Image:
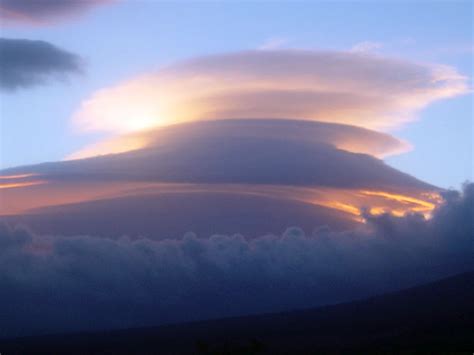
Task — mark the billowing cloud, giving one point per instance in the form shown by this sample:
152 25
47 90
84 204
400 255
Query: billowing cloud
25 63
341 87
43 11
57 283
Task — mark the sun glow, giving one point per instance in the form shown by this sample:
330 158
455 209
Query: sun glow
18 176
413 204
20 184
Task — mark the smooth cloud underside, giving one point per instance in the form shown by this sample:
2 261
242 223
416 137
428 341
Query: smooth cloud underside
25 63
316 170
241 160
40 12
53 283
349 138
340 87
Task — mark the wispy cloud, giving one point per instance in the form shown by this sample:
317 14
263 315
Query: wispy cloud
273 43
366 46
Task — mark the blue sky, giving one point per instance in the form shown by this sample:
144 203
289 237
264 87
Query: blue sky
121 40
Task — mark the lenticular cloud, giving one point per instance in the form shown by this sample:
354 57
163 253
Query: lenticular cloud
238 147
224 176
213 144
340 87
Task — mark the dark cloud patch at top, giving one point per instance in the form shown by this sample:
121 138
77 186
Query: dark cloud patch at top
25 63
40 11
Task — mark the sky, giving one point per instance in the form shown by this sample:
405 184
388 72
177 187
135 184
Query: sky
175 161
115 47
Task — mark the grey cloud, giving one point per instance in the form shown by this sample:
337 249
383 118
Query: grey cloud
43 11
346 137
55 283
25 63
249 151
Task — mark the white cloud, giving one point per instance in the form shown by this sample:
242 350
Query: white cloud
366 46
273 43
341 87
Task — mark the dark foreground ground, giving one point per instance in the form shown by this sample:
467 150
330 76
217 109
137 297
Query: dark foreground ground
433 318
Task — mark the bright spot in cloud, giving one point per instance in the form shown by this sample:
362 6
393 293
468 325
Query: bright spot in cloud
342 87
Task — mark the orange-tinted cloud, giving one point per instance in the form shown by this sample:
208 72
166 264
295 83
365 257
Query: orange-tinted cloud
19 180
349 138
340 87
234 164
170 210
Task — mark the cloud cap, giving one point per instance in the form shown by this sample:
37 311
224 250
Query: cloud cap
341 87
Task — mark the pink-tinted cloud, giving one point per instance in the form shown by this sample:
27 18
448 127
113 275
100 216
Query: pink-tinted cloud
316 170
149 281
41 12
345 137
341 87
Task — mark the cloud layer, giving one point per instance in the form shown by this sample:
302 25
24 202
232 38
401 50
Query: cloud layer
55 283
25 63
308 166
43 11
345 137
340 87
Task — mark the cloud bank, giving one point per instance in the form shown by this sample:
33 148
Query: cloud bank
319 165
55 283
353 88
25 63
42 12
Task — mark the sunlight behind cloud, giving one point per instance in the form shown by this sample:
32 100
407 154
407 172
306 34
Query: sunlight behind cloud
342 87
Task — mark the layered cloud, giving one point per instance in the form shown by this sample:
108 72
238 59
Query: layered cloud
348 138
339 87
319 171
56 283
219 145
43 11
25 63
226 130
291 153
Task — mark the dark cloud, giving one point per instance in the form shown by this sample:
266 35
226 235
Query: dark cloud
43 11
171 214
25 63
295 153
56 283
346 137
230 170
